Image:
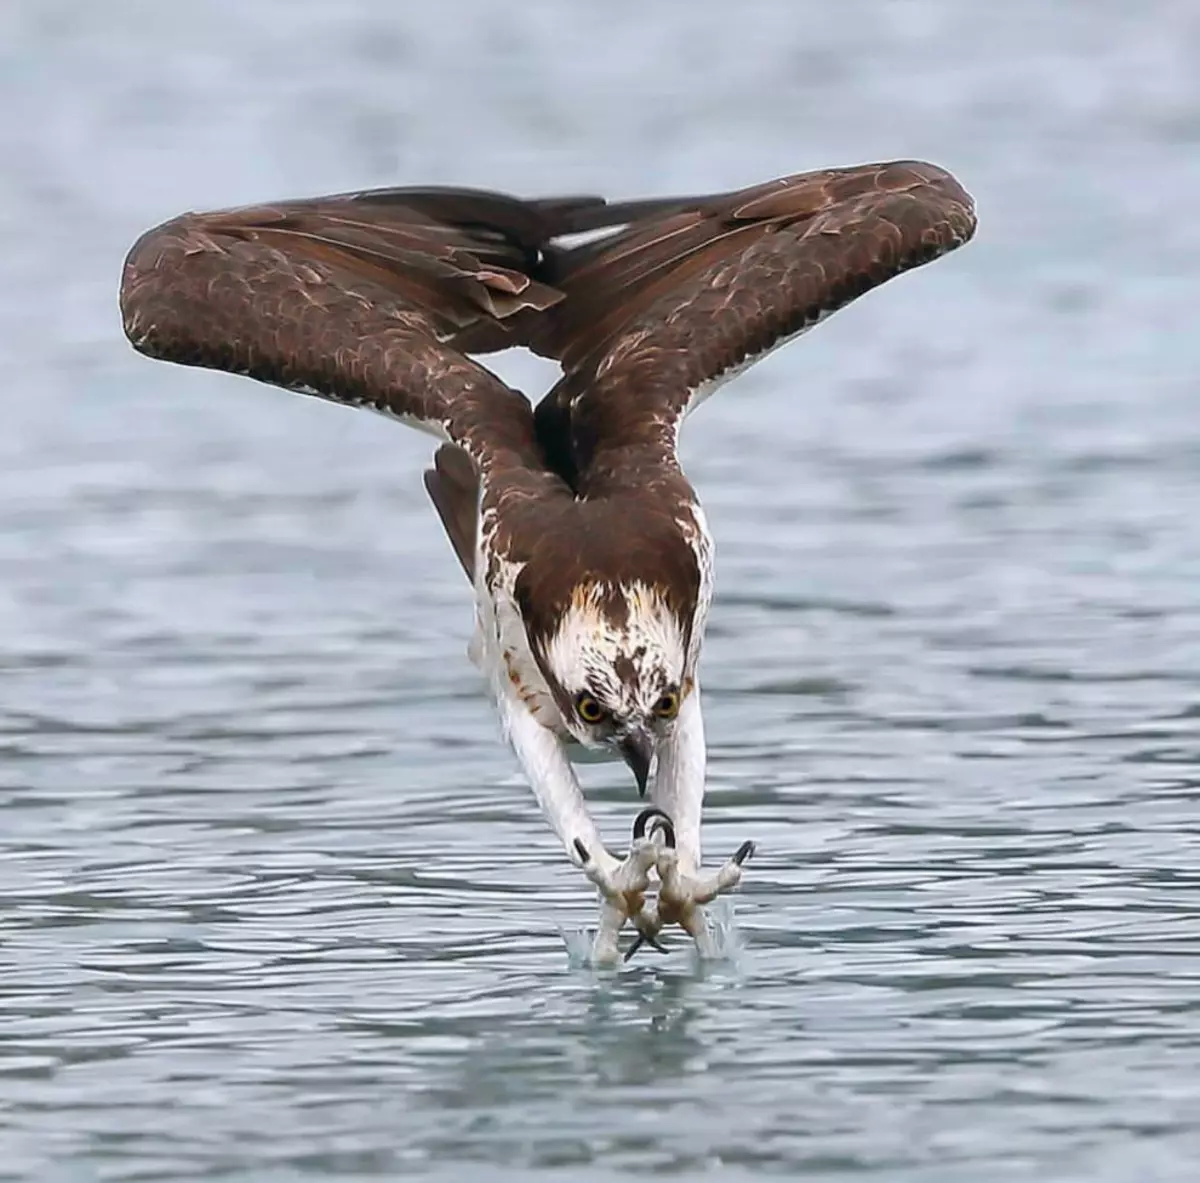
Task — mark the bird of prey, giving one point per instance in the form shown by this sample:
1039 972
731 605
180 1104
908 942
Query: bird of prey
587 548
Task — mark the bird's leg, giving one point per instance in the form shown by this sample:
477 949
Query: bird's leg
684 892
678 786
650 828
622 886
678 791
622 883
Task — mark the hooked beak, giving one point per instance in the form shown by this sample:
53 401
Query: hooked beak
637 750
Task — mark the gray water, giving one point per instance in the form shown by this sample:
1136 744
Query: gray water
274 902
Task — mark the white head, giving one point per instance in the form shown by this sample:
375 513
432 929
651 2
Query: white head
616 663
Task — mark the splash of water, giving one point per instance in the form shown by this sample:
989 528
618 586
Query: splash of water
720 918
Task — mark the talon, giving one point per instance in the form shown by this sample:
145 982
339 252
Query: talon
622 887
644 938
662 825
684 892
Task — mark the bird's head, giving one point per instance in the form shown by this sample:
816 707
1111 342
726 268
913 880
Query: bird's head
616 663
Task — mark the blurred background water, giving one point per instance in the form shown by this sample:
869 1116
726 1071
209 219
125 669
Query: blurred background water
274 903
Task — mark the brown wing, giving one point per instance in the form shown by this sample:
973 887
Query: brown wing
372 299
364 299
703 286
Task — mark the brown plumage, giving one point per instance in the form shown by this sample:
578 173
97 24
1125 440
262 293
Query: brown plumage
586 544
374 299
680 298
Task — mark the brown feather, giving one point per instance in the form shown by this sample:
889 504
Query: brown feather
374 299
676 300
453 486
303 297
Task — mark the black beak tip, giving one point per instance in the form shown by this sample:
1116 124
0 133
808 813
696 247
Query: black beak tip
637 750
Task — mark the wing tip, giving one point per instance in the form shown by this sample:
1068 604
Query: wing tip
141 272
938 193
950 189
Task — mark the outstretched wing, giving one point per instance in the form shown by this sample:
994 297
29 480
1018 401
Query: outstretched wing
660 313
373 299
365 299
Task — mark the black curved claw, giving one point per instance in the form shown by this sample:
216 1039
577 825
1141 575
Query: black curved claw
743 853
582 851
662 824
641 939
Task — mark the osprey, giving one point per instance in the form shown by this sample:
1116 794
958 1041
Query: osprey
587 548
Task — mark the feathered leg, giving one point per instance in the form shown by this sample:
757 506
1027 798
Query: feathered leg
678 790
622 884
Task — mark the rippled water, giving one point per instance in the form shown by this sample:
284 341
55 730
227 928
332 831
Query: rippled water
274 903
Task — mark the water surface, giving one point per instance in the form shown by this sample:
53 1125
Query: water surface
275 903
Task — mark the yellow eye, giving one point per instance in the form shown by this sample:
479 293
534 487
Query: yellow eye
589 710
667 707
